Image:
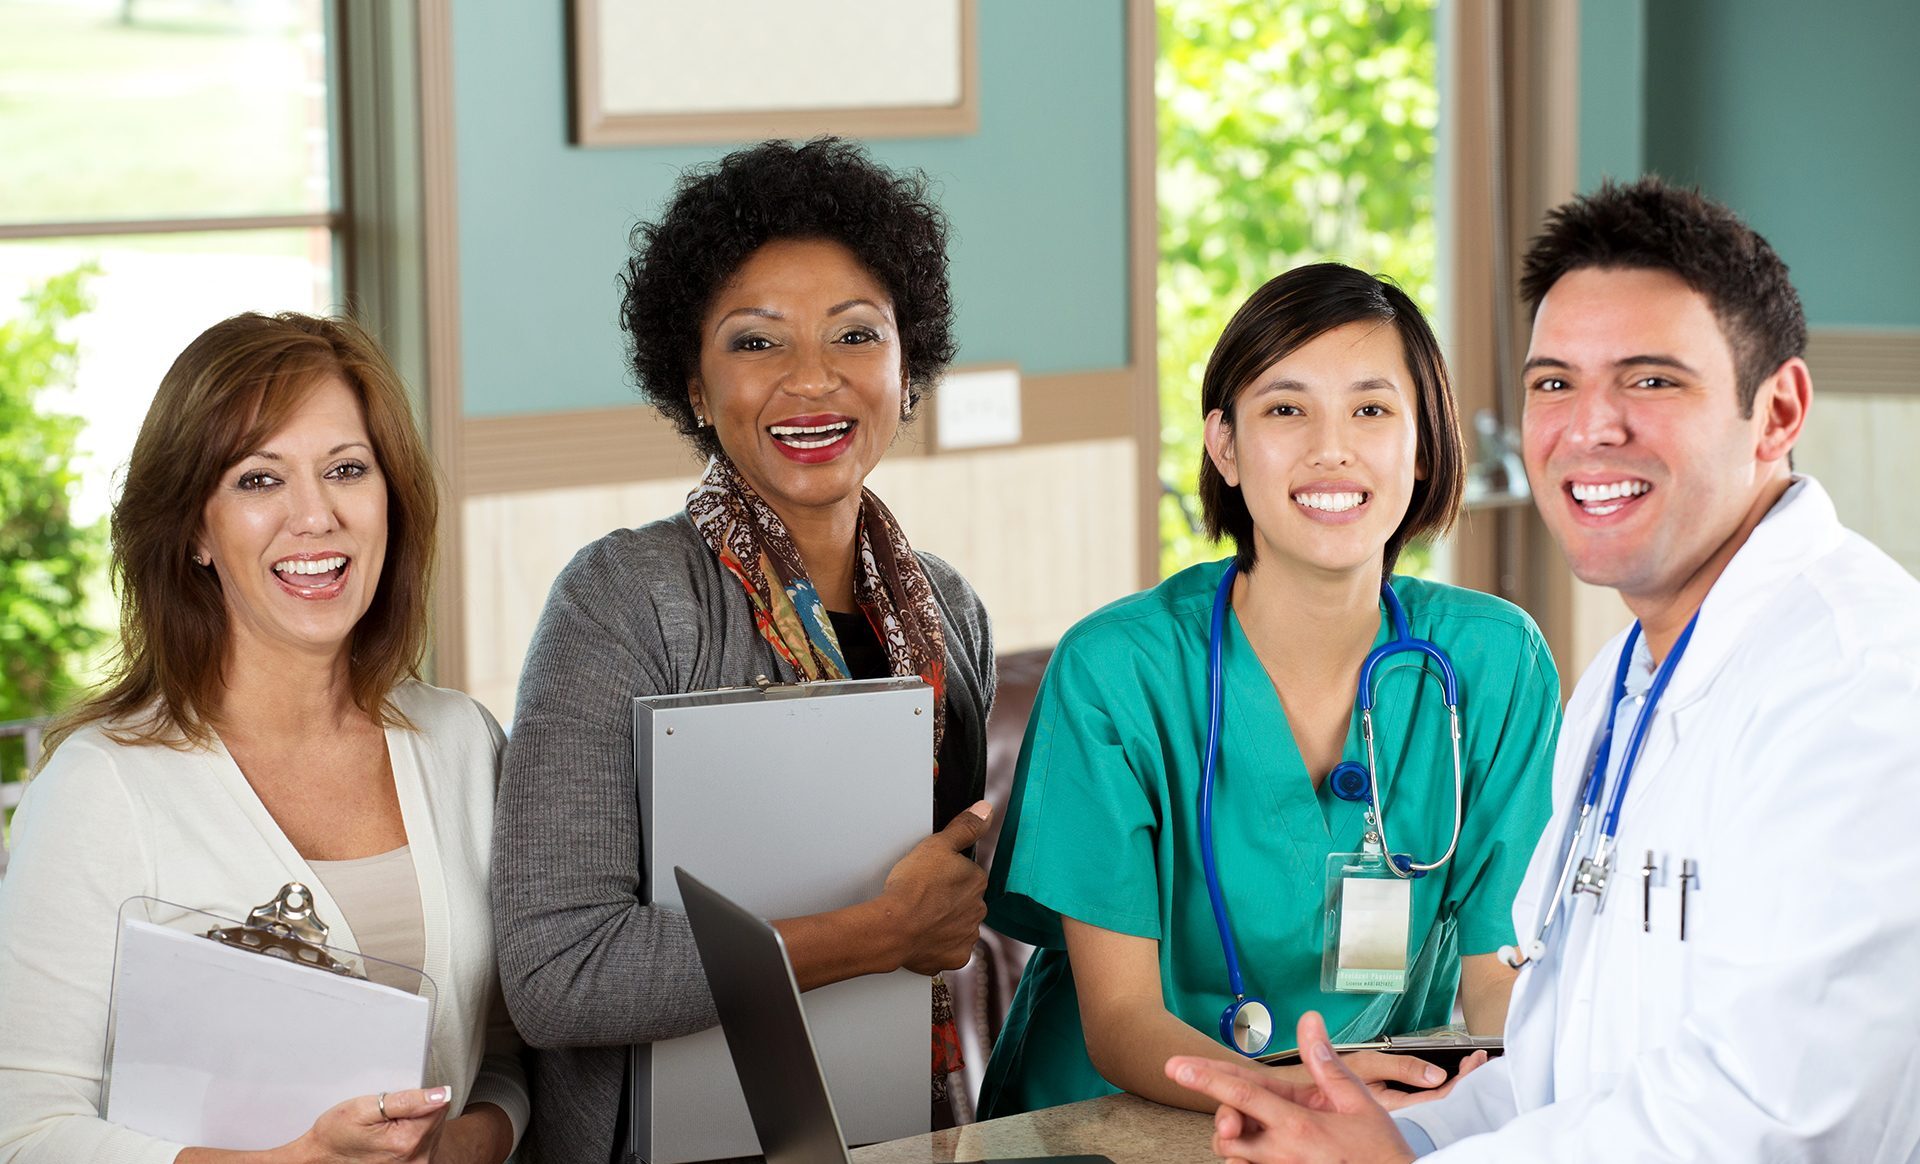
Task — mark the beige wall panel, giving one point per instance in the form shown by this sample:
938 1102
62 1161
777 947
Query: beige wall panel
1835 448
1861 449
1045 534
515 545
1598 615
1893 432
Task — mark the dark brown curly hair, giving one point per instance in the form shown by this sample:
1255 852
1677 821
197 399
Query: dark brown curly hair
722 213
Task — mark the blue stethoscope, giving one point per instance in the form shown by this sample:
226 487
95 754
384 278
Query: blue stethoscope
1589 874
1247 1023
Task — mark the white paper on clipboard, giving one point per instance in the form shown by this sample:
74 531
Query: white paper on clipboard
223 1048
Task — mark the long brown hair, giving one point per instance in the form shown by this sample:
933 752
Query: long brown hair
231 389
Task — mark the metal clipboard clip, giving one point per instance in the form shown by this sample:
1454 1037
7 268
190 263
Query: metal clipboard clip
286 928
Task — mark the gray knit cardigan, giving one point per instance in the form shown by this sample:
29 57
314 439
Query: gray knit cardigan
586 965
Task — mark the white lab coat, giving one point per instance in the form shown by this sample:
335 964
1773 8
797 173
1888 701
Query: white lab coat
1784 760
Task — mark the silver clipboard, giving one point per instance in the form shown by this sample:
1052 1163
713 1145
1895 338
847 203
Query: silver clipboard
797 799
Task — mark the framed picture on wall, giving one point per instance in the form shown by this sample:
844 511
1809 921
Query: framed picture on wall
648 72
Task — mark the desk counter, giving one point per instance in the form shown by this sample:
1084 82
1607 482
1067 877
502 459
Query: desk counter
1125 1128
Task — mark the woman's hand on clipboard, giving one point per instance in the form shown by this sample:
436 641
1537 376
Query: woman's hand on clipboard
926 917
397 1125
394 1127
935 897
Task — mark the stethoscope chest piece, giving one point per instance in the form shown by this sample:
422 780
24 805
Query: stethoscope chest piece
1247 1026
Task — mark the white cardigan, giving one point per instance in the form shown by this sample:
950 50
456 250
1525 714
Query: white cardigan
104 822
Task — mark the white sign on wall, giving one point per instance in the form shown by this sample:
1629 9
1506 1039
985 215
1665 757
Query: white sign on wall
978 408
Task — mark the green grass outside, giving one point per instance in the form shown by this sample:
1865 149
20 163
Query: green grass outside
194 110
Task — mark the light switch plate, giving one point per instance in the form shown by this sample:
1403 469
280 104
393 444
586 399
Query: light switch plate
978 408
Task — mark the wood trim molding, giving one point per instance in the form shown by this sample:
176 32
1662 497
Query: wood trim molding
1472 144
1864 361
567 450
1070 407
1513 97
593 125
93 228
633 443
1143 271
445 429
1544 50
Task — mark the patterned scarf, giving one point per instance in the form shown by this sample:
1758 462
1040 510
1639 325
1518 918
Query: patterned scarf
889 586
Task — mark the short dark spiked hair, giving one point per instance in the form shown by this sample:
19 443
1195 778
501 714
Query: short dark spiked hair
1292 311
1650 225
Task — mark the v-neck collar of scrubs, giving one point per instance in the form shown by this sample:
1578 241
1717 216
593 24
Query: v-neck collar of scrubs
1313 819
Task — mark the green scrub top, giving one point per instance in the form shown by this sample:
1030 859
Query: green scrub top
1103 822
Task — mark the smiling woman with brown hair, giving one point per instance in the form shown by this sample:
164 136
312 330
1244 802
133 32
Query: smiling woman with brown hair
273 546
786 312
239 382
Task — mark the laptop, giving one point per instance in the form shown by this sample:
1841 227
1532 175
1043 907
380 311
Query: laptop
767 1034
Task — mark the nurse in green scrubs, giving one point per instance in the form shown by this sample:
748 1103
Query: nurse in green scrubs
1332 441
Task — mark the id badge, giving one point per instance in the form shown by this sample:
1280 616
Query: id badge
1369 922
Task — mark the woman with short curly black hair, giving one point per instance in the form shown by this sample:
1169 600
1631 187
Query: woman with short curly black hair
825 189
787 312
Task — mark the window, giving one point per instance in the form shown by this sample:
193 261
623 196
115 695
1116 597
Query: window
184 151
184 155
1290 133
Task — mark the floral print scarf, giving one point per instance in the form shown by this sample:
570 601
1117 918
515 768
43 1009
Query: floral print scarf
889 586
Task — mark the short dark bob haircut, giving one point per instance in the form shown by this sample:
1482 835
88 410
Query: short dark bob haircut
722 213
1649 225
1292 311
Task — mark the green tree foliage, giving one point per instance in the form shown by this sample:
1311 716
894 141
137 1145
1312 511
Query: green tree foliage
1290 132
44 558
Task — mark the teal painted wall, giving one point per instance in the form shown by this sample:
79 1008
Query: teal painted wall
1613 60
1805 118
1037 198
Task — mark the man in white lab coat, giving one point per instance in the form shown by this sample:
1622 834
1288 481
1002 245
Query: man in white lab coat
1750 989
